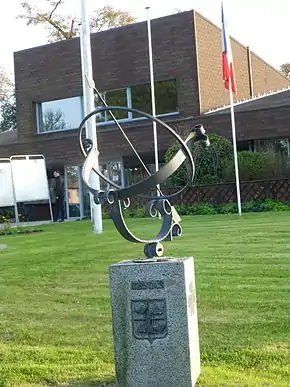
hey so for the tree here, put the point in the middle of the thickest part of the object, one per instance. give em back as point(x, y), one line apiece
point(209, 161)
point(54, 120)
point(7, 103)
point(8, 114)
point(285, 69)
point(65, 27)
point(5, 85)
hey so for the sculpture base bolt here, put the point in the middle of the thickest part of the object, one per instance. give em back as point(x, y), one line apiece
point(152, 250)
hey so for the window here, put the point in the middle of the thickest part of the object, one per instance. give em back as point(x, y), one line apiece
point(280, 146)
point(166, 99)
point(139, 97)
point(63, 114)
point(112, 98)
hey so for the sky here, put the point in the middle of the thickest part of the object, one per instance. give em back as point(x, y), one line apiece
point(260, 24)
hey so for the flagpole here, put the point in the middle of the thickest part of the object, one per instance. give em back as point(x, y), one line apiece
point(152, 92)
point(235, 147)
point(89, 106)
point(229, 76)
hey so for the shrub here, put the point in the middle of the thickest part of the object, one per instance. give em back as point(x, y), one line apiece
point(215, 164)
point(255, 166)
point(209, 162)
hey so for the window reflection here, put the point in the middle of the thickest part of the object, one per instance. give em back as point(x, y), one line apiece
point(65, 114)
point(117, 98)
point(112, 98)
point(73, 191)
point(60, 114)
point(141, 99)
point(166, 97)
point(113, 171)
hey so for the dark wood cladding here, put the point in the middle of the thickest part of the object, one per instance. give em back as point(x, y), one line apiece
point(251, 125)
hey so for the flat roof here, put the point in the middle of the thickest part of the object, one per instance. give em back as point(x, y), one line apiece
point(269, 100)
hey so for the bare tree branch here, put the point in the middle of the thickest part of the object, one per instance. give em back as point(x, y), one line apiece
point(54, 9)
point(65, 27)
point(57, 27)
point(72, 28)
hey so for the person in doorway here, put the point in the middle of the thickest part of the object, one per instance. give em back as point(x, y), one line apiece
point(53, 197)
point(59, 196)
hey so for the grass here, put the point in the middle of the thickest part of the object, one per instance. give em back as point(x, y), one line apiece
point(55, 321)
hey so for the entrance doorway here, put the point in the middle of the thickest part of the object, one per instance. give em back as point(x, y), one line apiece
point(74, 196)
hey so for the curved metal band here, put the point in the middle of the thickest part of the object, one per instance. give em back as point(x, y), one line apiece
point(153, 180)
point(120, 224)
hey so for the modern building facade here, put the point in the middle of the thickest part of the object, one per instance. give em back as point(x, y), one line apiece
point(188, 85)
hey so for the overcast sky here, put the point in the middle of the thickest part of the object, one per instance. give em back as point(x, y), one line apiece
point(261, 24)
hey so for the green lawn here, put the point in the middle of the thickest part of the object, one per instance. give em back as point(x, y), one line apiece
point(55, 323)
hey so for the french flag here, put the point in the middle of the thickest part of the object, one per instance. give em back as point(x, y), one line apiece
point(227, 58)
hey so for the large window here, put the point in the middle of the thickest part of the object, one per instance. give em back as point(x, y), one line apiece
point(112, 98)
point(65, 114)
point(139, 97)
point(62, 114)
point(166, 99)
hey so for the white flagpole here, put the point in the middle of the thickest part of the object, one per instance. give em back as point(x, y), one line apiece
point(226, 40)
point(89, 106)
point(235, 147)
point(152, 91)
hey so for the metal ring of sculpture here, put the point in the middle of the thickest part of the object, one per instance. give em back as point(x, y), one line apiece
point(117, 195)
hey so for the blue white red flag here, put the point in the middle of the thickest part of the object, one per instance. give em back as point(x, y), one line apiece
point(227, 58)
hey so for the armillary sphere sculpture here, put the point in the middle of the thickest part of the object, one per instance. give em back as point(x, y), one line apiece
point(119, 197)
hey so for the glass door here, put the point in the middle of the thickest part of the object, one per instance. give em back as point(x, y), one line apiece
point(74, 199)
point(114, 171)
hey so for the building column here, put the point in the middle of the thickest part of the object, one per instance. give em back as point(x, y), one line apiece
point(250, 72)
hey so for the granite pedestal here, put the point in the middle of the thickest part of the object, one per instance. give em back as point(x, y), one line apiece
point(155, 327)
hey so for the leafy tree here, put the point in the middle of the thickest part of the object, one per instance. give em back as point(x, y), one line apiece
point(5, 85)
point(7, 103)
point(209, 161)
point(8, 114)
point(285, 69)
point(65, 27)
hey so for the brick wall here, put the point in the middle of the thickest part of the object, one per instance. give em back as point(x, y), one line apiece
point(63, 147)
point(266, 77)
point(212, 92)
point(262, 124)
point(120, 59)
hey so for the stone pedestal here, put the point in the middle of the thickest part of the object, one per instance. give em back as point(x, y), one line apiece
point(155, 327)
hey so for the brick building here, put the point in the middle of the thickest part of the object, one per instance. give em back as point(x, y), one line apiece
point(188, 84)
